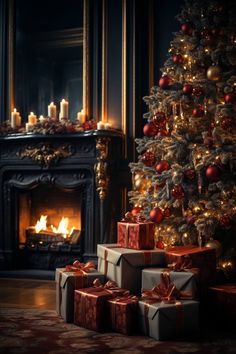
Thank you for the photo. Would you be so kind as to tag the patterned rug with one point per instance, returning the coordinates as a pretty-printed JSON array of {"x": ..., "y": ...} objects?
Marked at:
[{"x": 43, "y": 332}]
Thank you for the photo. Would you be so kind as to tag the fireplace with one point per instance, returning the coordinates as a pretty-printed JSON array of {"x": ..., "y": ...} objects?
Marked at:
[{"x": 60, "y": 196}]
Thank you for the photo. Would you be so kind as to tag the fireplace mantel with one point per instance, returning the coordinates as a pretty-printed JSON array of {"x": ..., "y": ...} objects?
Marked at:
[{"x": 90, "y": 160}]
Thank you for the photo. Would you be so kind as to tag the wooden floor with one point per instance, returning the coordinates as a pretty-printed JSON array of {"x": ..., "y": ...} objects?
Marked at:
[{"x": 27, "y": 293}]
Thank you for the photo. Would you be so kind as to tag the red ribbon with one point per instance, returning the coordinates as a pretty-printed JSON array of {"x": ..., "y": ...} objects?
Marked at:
[
  {"x": 80, "y": 268},
  {"x": 167, "y": 292},
  {"x": 183, "y": 266},
  {"x": 129, "y": 217}
]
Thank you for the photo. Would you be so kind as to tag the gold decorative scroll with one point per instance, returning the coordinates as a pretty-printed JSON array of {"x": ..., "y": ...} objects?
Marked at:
[
  {"x": 46, "y": 154},
  {"x": 102, "y": 179}
]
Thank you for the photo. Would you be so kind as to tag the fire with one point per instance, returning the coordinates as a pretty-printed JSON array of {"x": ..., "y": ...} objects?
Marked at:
[
  {"x": 62, "y": 228},
  {"x": 41, "y": 224}
]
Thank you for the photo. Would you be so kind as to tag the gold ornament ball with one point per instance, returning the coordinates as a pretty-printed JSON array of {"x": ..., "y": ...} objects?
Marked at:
[
  {"x": 214, "y": 73},
  {"x": 216, "y": 245}
]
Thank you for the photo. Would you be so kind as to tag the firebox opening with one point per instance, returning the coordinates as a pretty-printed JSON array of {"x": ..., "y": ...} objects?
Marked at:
[{"x": 49, "y": 216}]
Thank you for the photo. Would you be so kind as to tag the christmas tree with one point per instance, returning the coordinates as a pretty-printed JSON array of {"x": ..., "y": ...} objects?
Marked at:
[{"x": 184, "y": 179}]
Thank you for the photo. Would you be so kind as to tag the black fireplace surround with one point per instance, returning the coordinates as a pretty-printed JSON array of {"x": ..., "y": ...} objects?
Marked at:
[{"x": 85, "y": 165}]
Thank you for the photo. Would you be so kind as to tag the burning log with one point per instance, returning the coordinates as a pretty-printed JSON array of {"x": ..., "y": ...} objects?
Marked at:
[
  {"x": 43, "y": 236},
  {"x": 47, "y": 236}
]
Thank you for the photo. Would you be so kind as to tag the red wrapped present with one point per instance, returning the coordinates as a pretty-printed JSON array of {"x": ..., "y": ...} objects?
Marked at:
[
  {"x": 203, "y": 258},
  {"x": 123, "y": 314},
  {"x": 223, "y": 302},
  {"x": 90, "y": 304},
  {"x": 136, "y": 235}
]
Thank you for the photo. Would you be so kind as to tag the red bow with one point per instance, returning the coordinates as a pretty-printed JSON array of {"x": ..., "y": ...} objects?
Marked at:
[{"x": 80, "y": 268}]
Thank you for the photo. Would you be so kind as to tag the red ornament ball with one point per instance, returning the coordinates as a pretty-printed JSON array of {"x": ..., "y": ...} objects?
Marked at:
[
  {"x": 167, "y": 212},
  {"x": 208, "y": 141},
  {"x": 198, "y": 91},
  {"x": 148, "y": 158},
  {"x": 191, "y": 219},
  {"x": 165, "y": 81},
  {"x": 198, "y": 112},
  {"x": 178, "y": 59},
  {"x": 163, "y": 165},
  {"x": 226, "y": 222},
  {"x": 190, "y": 174},
  {"x": 230, "y": 98},
  {"x": 213, "y": 173},
  {"x": 227, "y": 123},
  {"x": 159, "y": 119},
  {"x": 177, "y": 191},
  {"x": 187, "y": 28},
  {"x": 136, "y": 210},
  {"x": 187, "y": 89},
  {"x": 156, "y": 215},
  {"x": 150, "y": 129},
  {"x": 160, "y": 244}
]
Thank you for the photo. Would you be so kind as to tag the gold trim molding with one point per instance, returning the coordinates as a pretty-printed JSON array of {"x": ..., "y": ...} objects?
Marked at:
[
  {"x": 124, "y": 76},
  {"x": 46, "y": 154},
  {"x": 102, "y": 179},
  {"x": 104, "y": 117},
  {"x": 86, "y": 89}
]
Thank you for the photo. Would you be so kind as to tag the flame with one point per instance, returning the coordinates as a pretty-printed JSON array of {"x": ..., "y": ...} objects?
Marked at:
[
  {"x": 61, "y": 229},
  {"x": 41, "y": 224}
]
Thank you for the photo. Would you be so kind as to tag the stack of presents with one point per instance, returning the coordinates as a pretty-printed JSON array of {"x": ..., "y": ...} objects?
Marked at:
[{"x": 136, "y": 288}]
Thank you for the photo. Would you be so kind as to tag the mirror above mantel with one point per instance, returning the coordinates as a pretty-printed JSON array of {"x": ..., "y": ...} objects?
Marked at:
[{"x": 50, "y": 61}]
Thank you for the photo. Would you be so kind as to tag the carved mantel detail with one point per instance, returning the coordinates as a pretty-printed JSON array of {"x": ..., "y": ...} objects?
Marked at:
[
  {"x": 46, "y": 154},
  {"x": 102, "y": 178}
]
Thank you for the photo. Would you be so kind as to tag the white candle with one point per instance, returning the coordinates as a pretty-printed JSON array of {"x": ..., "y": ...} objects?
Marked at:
[
  {"x": 100, "y": 125},
  {"x": 41, "y": 119},
  {"x": 32, "y": 118},
  {"x": 29, "y": 127},
  {"x": 64, "y": 109},
  {"x": 52, "y": 111},
  {"x": 15, "y": 118},
  {"x": 107, "y": 125},
  {"x": 81, "y": 116}
]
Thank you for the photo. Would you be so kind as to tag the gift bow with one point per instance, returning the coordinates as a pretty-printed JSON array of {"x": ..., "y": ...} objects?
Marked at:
[
  {"x": 110, "y": 286},
  {"x": 183, "y": 266},
  {"x": 159, "y": 293},
  {"x": 166, "y": 291},
  {"x": 81, "y": 268},
  {"x": 129, "y": 217}
]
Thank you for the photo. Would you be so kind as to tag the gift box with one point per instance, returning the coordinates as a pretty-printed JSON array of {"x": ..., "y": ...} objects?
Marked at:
[
  {"x": 124, "y": 266},
  {"x": 66, "y": 283},
  {"x": 90, "y": 308},
  {"x": 203, "y": 258},
  {"x": 223, "y": 299},
  {"x": 185, "y": 281},
  {"x": 123, "y": 314},
  {"x": 138, "y": 235},
  {"x": 163, "y": 321}
]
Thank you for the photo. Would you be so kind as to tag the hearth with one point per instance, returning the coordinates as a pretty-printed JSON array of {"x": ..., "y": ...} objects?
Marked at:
[{"x": 56, "y": 196}]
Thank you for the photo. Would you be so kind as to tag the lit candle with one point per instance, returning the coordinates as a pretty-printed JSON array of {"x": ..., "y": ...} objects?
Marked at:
[
  {"x": 107, "y": 125},
  {"x": 52, "y": 111},
  {"x": 100, "y": 125},
  {"x": 32, "y": 118},
  {"x": 81, "y": 116},
  {"x": 41, "y": 119},
  {"x": 29, "y": 127},
  {"x": 64, "y": 109},
  {"x": 15, "y": 118}
]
